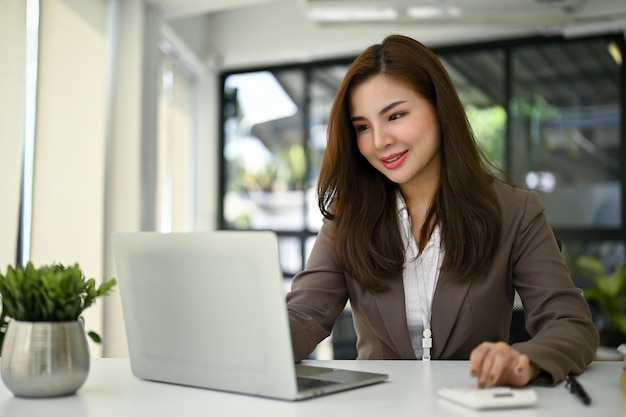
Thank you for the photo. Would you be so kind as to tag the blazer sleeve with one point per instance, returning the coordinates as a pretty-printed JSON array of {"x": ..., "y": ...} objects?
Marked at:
[
  {"x": 318, "y": 296},
  {"x": 564, "y": 337}
]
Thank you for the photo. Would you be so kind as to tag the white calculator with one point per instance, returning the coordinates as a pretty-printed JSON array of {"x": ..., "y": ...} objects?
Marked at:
[{"x": 492, "y": 397}]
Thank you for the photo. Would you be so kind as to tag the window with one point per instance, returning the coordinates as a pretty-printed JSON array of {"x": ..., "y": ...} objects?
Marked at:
[
  {"x": 479, "y": 77},
  {"x": 547, "y": 111},
  {"x": 566, "y": 123}
]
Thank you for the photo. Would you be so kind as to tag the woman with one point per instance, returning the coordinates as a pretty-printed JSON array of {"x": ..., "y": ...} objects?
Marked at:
[{"x": 426, "y": 245}]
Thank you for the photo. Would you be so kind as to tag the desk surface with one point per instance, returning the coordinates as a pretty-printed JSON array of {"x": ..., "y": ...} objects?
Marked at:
[{"x": 112, "y": 390}]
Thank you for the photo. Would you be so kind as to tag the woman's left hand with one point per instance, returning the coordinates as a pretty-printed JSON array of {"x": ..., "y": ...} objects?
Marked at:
[{"x": 500, "y": 364}]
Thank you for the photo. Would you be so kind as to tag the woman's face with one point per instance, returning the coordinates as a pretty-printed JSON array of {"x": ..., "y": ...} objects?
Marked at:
[{"x": 397, "y": 130}]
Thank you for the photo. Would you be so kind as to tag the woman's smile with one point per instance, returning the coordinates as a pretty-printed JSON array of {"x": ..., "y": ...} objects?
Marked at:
[{"x": 394, "y": 160}]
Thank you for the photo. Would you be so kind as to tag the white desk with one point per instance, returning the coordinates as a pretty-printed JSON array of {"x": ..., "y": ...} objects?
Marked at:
[{"x": 112, "y": 391}]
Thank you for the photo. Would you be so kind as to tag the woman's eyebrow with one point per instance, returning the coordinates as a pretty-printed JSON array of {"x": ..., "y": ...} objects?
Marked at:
[
  {"x": 381, "y": 112},
  {"x": 389, "y": 107}
]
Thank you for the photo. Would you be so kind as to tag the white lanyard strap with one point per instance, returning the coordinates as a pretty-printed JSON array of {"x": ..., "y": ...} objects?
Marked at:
[{"x": 429, "y": 267}]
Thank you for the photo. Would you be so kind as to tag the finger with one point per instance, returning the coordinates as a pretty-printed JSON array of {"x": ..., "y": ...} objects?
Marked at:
[
  {"x": 476, "y": 358},
  {"x": 501, "y": 361},
  {"x": 486, "y": 367},
  {"x": 497, "y": 363}
]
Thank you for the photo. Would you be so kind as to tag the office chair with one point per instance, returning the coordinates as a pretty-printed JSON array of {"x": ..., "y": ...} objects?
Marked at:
[{"x": 517, "y": 331}]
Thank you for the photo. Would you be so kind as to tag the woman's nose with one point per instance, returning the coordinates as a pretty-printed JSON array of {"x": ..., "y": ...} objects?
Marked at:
[{"x": 382, "y": 138}]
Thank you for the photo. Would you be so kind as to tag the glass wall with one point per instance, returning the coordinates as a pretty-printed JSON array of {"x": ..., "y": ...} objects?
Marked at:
[
  {"x": 479, "y": 77},
  {"x": 566, "y": 127},
  {"x": 547, "y": 111}
]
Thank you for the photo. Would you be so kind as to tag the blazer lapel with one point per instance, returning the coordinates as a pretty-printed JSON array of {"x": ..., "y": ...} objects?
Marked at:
[
  {"x": 393, "y": 312},
  {"x": 447, "y": 302}
]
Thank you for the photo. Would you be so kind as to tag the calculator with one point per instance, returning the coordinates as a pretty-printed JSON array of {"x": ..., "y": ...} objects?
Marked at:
[{"x": 491, "y": 397}]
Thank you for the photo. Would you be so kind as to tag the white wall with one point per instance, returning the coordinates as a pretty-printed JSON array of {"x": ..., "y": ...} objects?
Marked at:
[
  {"x": 87, "y": 161},
  {"x": 123, "y": 202},
  {"x": 92, "y": 129},
  {"x": 12, "y": 86},
  {"x": 68, "y": 195},
  {"x": 207, "y": 151},
  {"x": 130, "y": 128}
]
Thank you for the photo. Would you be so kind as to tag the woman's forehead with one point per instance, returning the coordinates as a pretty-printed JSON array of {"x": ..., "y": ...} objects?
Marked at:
[{"x": 378, "y": 89}]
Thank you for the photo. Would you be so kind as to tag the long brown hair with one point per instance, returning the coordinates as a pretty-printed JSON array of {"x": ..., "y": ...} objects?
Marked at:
[{"x": 361, "y": 202}]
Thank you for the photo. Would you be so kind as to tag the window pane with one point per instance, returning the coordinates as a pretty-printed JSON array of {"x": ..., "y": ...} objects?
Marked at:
[
  {"x": 609, "y": 253},
  {"x": 324, "y": 84},
  {"x": 264, "y": 150},
  {"x": 479, "y": 79},
  {"x": 290, "y": 250},
  {"x": 566, "y": 130},
  {"x": 594, "y": 267}
]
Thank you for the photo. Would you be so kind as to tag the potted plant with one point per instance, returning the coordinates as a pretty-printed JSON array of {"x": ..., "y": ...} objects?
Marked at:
[
  {"x": 607, "y": 296},
  {"x": 43, "y": 341}
]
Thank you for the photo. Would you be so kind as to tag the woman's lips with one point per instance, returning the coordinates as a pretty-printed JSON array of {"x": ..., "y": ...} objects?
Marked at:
[{"x": 394, "y": 160}]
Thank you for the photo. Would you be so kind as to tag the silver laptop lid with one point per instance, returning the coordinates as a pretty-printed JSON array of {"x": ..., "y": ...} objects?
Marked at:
[{"x": 206, "y": 310}]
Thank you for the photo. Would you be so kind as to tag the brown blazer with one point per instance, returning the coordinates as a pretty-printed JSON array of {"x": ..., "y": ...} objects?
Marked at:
[{"x": 564, "y": 339}]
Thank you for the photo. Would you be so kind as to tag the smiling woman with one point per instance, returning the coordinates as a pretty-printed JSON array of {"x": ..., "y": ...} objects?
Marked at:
[{"x": 425, "y": 242}]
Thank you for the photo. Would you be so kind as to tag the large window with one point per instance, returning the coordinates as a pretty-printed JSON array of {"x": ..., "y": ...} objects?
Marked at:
[
  {"x": 566, "y": 126},
  {"x": 479, "y": 77},
  {"x": 548, "y": 111}
]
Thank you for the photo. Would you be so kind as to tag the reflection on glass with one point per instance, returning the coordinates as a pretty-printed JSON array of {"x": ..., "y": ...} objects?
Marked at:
[
  {"x": 264, "y": 151},
  {"x": 596, "y": 269},
  {"x": 566, "y": 130},
  {"x": 480, "y": 82},
  {"x": 324, "y": 82},
  {"x": 611, "y": 254}
]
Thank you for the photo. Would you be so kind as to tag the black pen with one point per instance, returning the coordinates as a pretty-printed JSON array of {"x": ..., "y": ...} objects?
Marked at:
[{"x": 575, "y": 388}]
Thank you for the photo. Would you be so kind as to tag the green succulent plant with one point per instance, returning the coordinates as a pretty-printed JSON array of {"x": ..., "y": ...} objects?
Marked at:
[
  {"x": 52, "y": 292},
  {"x": 608, "y": 290}
]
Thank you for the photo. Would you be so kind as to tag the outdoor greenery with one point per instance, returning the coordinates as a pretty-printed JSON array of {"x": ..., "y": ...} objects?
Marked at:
[
  {"x": 52, "y": 292},
  {"x": 608, "y": 291},
  {"x": 488, "y": 125}
]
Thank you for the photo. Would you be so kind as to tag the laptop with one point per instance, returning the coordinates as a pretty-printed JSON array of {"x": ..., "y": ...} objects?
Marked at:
[{"x": 208, "y": 310}]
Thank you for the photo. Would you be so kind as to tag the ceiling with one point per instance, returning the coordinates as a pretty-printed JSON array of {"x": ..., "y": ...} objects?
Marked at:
[
  {"x": 557, "y": 12},
  {"x": 242, "y": 33}
]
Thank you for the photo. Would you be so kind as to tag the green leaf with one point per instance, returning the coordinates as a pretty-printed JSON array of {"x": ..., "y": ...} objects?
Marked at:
[
  {"x": 608, "y": 285},
  {"x": 51, "y": 292},
  {"x": 94, "y": 336},
  {"x": 590, "y": 266},
  {"x": 607, "y": 290}
]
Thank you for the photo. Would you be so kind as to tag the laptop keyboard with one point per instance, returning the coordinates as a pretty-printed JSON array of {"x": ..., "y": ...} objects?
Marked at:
[{"x": 310, "y": 383}]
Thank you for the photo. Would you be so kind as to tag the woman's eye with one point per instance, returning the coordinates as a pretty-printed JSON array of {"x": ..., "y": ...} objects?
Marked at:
[
  {"x": 395, "y": 116},
  {"x": 361, "y": 128}
]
